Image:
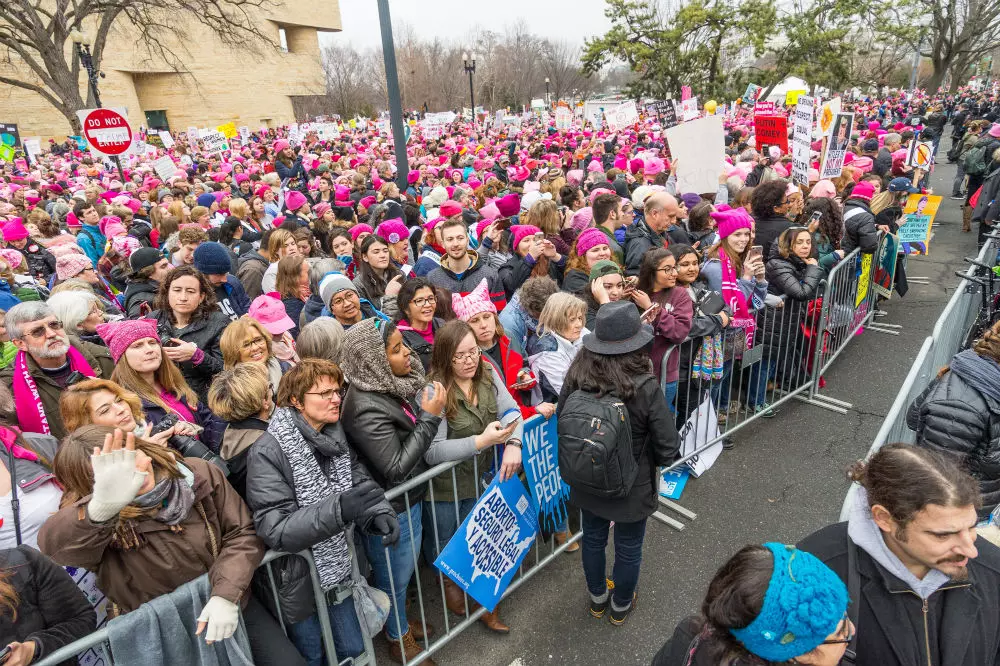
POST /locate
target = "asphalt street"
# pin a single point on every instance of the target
(784, 479)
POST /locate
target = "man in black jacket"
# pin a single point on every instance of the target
(148, 267)
(860, 230)
(925, 589)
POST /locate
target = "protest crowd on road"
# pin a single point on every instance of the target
(250, 351)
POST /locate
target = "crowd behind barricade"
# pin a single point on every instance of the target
(252, 353)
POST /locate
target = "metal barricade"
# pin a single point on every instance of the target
(100, 639)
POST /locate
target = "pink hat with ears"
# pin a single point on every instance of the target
(595, 167)
(72, 221)
(480, 227)
(732, 220)
(367, 202)
(521, 231)
(621, 163)
(574, 176)
(477, 301)
(359, 229)
(120, 335)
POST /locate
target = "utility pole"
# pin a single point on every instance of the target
(392, 87)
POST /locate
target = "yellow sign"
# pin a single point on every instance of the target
(352, 123)
(229, 129)
(864, 280)
(792, 97)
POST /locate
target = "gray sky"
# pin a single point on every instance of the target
(560, 20)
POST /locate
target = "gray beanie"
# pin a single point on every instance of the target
(333, 283)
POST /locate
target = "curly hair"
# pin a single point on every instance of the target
(988, 346)
(208, 302)
(766, 197)
(831, 221)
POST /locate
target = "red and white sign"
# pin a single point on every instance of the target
(106, 130)
(763, 109)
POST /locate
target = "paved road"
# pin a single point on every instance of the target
(785, 478)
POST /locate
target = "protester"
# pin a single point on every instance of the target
(462, 269)
(769, 203)
(378, 280)
(292, 284)
(243, 397)
(532, 255)
(213, 261)
(417, 323)
(281, 244)
(148, 268)
(660, 211)
(79, 313)
(591, 247)
(321, 338)
(560, 335)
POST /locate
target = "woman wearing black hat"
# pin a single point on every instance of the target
(615, 360)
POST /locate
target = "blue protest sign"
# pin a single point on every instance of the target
(672, 483)
(541, 465)
(491, 543)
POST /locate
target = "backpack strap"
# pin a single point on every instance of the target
(854, 600)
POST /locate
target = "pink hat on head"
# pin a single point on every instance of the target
(413, 176)
(478, 300)
(864, 191)
(574, 176)
(595, 167)
(112, 229)
(490, 211)
(621, 162)
(450, 209)
(521, 231)
(270, 312)
(120, 335)
(72, 221)
(509, 205)
(994, 131)
(125, 245)
(13, 258)
(480, 227)
(294, 200)
(582, 219)
(359, 229)
(635, 165)
(813, 175)
(589, 239)
(280, 145)
(106, 220)
(71, 265)
(598, 192)
(732, 220)
(392, 231)
(14, 230)
(320, 209)
(654, 165)
(261, 190)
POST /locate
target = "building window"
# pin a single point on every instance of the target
(283, 40)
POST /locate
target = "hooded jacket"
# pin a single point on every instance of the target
(311, 310)
(859, 228)
(92, 242)
(518, 269)
(205, 333)
(640, 238)
(464, 283)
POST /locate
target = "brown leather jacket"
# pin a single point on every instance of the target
(166, 559)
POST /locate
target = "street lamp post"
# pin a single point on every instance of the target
(82, 42)
(470, 68)
(548, 101)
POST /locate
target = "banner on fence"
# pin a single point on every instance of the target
(771, 131)
(864, 279)
(541, 466)
(918, 219)
(700, 428)
(699, 148)
(490, 544)
(802, 139)
(885, 265)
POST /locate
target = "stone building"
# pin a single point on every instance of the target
(257, 87)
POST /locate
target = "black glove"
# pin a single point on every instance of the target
(387, 526)
(360, 498)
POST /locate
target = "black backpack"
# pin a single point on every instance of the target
(595, 445)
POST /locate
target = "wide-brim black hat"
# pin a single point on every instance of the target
(618, 330)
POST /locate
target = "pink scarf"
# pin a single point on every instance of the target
(8, 436)
(31, 411)
(734, 298)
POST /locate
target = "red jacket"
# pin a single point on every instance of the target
(513, 363)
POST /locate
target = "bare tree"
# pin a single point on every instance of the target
(34, 35)
(958, 30)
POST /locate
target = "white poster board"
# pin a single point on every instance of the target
(699, 148)
(165, 168)
(624, 115)
(802, 139)
(836, 145)
(564, 118)
(689, 109)
(168, 141)
(214, 141)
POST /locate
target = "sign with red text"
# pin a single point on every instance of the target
(106, 130)
(771, 131)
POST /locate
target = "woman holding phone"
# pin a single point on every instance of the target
(533, 256)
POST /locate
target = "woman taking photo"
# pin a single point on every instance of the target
(417, 322)
(391, 422)
(144, 367)
(671, 320)
(476, 400)
(188, 318)
(770, 590)
(827, 232)
(560, 334)
(615, 361)
(591, 247)
(156, 521)
(378, 280)
(293, 285)
(305, 486)
(533, 255)
(607, 285)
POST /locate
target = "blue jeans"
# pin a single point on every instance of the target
(347, 636)
(670, 393)
(720, 389)
(399, 569)
(447, 524)
(760, 372)
(628, 556)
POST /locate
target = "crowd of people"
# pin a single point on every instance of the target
(251, 353)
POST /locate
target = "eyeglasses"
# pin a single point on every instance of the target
(254, 342)
(421, 302)
(467, 356)
(39, 331)
(849, 627)
(340, 300)
(668, 269)
(329, 394)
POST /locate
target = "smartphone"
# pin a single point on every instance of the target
(430, 391)
(647, 316)
(815, 216)
(510, 416)
(540, 236)
(631, 281)
(503, 223)
(757, 251)
(5, 655)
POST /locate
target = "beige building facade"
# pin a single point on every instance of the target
(256, 86)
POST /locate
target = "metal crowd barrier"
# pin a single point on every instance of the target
(947, 338)
(100, 639)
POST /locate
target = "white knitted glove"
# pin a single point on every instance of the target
(222, 617)
(116, 483)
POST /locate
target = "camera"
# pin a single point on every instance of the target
(166, 339)
(189, 447)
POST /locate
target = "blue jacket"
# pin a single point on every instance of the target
(7, 298)
(428, 260)
(92, 242)
(237, 295)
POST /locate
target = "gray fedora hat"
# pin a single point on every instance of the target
(618, 330)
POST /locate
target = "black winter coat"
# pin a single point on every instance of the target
(639, 239)
(137, 293)
(517, 270)
(675, 651)
(859, 228)
(793, 278)
(206, 334)
(387, 441)
(767, 231)
(654, 443)
(250, 272)
(51, 609)
(952, 417)
(418, 345)
(962, 618)
(41, 262)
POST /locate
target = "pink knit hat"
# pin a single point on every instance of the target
(864, 191)
(119, 335)
(14, 230)
(824, 189)
(106, 220)
(732, 220)
(450, 209)
(490, 211)
(71, 265)
(294, 200)
(478, 300)
(367, 202)
(280, 145)
(589, 239)
(392, 231)
(359, 229)
(113, 229)
(125, 245)
(270, 312)
(519, 232)
(582, 219)
(509, 205)
(12, 257)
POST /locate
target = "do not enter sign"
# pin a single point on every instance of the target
(106, 130)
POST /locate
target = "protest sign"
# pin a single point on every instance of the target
(827, 114)
(665, 112)
(689, 109)
(32, 147)
(244, 134)
(491, 542)
(763, 109)
(771, 131)
(672, 483)
(541, 466)
(228, 129)
(836, 147)
(753, 91)
(920, 154)
(918, 218)
(168, 141)
(623, 116)
(885, 265)
(802, 139)
(864, 278)
(10, 141)
(165, 168)
(192, 135)
(699, 148)
(214, 141)
(153, 139)
(564, 118)
(792, 96)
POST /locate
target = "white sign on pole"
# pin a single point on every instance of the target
(32, 147)
(244, 134)
(836, 145)
(802, 139)
(564, 118)
(168, 141)
(689, 109)
(165, 168)
(699, 148)
(621, 117)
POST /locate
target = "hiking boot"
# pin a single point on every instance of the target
(410, 649)
(563, 537)
(454, 598)
(417, 629)
(618, 617)
(598, 609)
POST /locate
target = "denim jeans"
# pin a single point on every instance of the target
(760, 373)
(670, 393)
(401, 564)
(447, 524)
(628, 556)
(720, 389)
(346, 634)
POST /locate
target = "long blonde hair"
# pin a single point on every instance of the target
(168, 376)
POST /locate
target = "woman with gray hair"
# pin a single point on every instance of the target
(80, 313)
(321, 338)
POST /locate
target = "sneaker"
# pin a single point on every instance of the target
(957, 197)
(728, 443)
(598, 609)
(765, 411)
(618, 617)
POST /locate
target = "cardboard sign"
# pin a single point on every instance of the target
(625, 115)
(244, 134)
(564, 118)
(165, 168)
(920, 154)
(763, 109)
(168, 141)
(214, 141)
(491, 542)
(827, 114)
(228, 129)
(699, 148)
(802, 139)
(885, 265)
(541, 466)
(771, 131)
(915, 233)
(192, 135)
(836, 147)
(32, 147)
(792, 96)
(689, 109)
(864, 279)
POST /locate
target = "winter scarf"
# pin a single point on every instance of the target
(313, 485)
(708, 359)
(173, 496)
(982, 374)
(734, 298)
(367, 367)
(31, 412)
